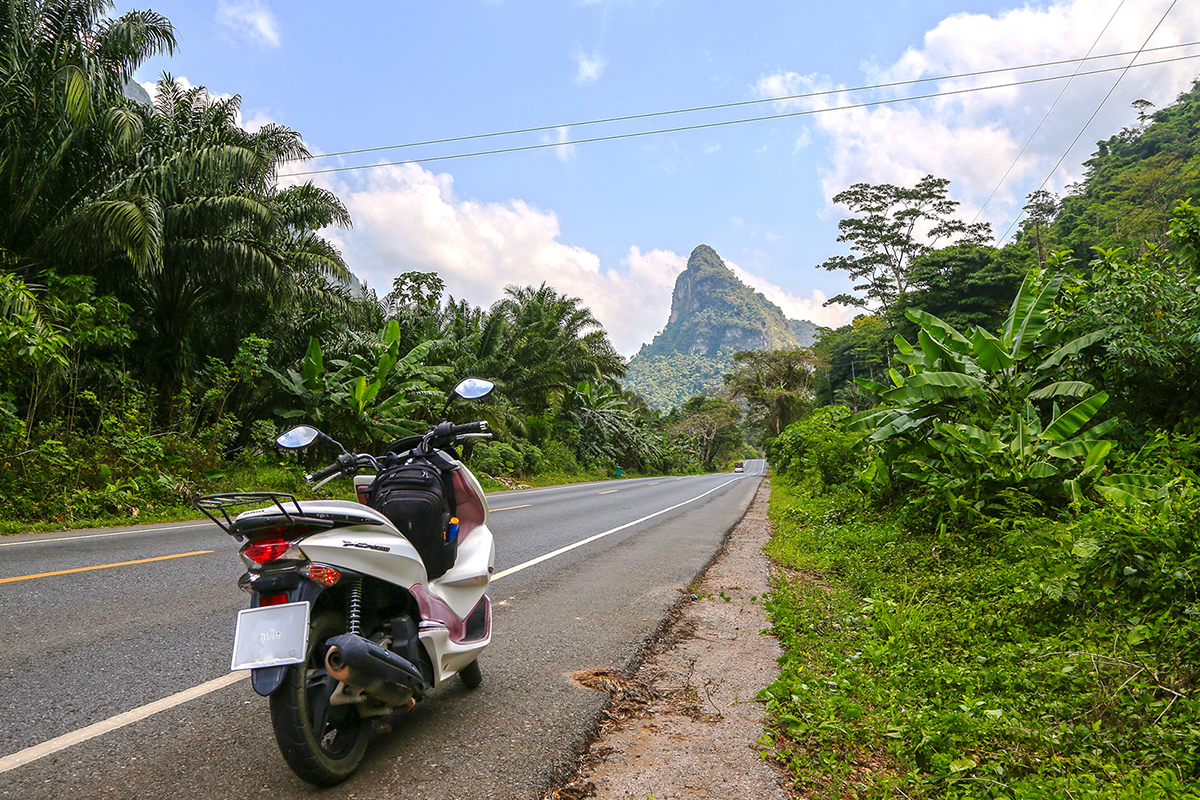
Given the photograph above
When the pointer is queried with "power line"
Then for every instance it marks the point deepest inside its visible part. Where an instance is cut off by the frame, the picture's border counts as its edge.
(1093, 116)
(1049, 111)
(725, 123)
(718, 106)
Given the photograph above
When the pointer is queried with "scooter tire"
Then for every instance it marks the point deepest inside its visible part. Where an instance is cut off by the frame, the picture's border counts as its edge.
(470, 675)
(322, 744)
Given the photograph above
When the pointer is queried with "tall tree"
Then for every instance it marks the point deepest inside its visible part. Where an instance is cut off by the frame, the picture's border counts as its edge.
(65, 128)
(222, 227)
(777, 384)
(891, 226)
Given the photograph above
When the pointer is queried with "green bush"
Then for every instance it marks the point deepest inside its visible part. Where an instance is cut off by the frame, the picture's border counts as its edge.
(557, 459)
(496, 458)
(817, 448)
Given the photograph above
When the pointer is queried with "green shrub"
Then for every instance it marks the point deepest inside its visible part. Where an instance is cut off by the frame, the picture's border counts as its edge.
(557, 459)
(496, 458)
(817, 448)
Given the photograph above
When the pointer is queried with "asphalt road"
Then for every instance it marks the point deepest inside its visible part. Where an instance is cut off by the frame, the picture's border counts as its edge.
(86, 637)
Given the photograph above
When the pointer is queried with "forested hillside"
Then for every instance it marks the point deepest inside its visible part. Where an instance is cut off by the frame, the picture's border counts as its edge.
(713, 316)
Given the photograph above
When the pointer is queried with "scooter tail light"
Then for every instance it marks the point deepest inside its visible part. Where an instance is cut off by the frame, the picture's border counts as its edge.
(265, 551)
(322, 574)
(272, 599)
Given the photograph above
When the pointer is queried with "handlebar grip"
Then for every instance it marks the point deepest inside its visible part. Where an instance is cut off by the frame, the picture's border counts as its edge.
(322, 474)
(471, 427)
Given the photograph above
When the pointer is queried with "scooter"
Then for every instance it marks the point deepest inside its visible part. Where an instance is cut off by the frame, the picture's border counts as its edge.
(358, 610)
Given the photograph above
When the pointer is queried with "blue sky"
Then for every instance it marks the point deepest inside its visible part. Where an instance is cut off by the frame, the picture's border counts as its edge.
(613, 222)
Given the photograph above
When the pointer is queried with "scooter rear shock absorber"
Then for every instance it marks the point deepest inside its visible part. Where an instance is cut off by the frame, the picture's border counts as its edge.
(354, 607)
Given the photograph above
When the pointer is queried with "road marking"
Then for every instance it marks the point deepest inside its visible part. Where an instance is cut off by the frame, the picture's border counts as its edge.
(654, 483)
(608, 532)
(30, 754)
(51, 746)
(509, 508)
(114, 533)
(610, 491)
(103, 566)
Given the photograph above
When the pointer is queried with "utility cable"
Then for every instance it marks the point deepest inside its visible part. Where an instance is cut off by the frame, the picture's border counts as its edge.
(725, 123)
(1049, 111)
(1092, 117)
(718, 106)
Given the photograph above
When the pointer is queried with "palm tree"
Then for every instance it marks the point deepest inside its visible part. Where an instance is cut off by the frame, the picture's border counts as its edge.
(222, 227)
(552, 344)
(64, 126)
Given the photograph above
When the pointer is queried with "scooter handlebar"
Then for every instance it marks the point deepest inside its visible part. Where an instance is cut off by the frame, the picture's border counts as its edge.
(469, 428)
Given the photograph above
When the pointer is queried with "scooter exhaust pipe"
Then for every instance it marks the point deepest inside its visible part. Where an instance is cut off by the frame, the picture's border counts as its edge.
(379, 672)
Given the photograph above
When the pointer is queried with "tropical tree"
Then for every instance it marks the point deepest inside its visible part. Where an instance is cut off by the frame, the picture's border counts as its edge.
(65, 128)
(776, 384)
(891, 226)
(220, 226)
(550, 344)
(708, 429)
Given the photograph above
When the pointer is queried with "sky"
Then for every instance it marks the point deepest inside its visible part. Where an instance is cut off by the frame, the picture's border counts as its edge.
(613, 222)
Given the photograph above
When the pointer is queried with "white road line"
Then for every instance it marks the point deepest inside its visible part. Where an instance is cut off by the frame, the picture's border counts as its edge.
(98, 535)
(608, 532)
(23, 757)
(30, 754)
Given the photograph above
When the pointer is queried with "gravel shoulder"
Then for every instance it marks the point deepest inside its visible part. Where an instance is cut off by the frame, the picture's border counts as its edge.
(686, 725)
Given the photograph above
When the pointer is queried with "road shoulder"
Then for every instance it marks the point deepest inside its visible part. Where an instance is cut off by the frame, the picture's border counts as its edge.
(686, 725)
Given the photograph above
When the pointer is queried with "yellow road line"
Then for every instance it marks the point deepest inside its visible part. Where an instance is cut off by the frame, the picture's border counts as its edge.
(610, 491)
(103, 566)
(509, 508)
(653, 483)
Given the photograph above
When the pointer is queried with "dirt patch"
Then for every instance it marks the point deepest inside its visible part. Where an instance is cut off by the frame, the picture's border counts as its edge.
(686, 725)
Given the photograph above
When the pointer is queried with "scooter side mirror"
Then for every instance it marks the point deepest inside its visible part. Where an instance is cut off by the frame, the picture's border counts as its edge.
(298, 438)
(474, 388)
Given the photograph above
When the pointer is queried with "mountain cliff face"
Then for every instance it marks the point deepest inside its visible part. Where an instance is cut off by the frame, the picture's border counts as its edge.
(713, 316)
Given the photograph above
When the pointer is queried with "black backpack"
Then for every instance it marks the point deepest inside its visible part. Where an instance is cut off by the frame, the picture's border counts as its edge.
(415, 499)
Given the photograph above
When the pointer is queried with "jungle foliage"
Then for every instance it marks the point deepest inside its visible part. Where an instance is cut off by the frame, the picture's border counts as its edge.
(991, 518)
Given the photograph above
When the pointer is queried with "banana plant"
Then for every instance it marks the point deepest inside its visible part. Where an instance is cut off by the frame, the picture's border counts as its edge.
(974, 414)
(363, 398)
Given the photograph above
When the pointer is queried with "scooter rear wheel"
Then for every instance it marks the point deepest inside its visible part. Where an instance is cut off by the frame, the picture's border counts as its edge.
(470, 675)
(322, 743)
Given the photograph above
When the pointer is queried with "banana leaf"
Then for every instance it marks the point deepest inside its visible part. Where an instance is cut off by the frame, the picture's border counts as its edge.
(1130, 488)
(1072, 347)
(871, 386)
(1069, 422)
(1062, 389)
(936, 351)
(1036, 318)
(945, 332)
(990, 352)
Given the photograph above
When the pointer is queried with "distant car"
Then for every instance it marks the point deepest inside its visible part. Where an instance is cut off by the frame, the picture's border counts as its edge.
(739, 467)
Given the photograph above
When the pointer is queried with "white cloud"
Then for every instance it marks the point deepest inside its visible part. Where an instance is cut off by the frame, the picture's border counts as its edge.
(408, 218)
(590, 67)
(972, 138)
(250, 20)
(809, 308)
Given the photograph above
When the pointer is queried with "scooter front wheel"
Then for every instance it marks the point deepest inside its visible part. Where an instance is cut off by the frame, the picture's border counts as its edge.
(321, 742)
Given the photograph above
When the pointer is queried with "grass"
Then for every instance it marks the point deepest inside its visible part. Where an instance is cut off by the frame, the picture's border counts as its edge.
(921, 666)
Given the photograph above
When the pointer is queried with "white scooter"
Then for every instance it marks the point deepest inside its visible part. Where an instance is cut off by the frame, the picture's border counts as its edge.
(359, 609)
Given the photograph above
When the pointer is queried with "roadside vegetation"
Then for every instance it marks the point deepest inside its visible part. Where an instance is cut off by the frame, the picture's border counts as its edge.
(987, 529)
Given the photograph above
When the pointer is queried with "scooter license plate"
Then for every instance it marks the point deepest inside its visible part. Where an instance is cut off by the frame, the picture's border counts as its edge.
(271, 636)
